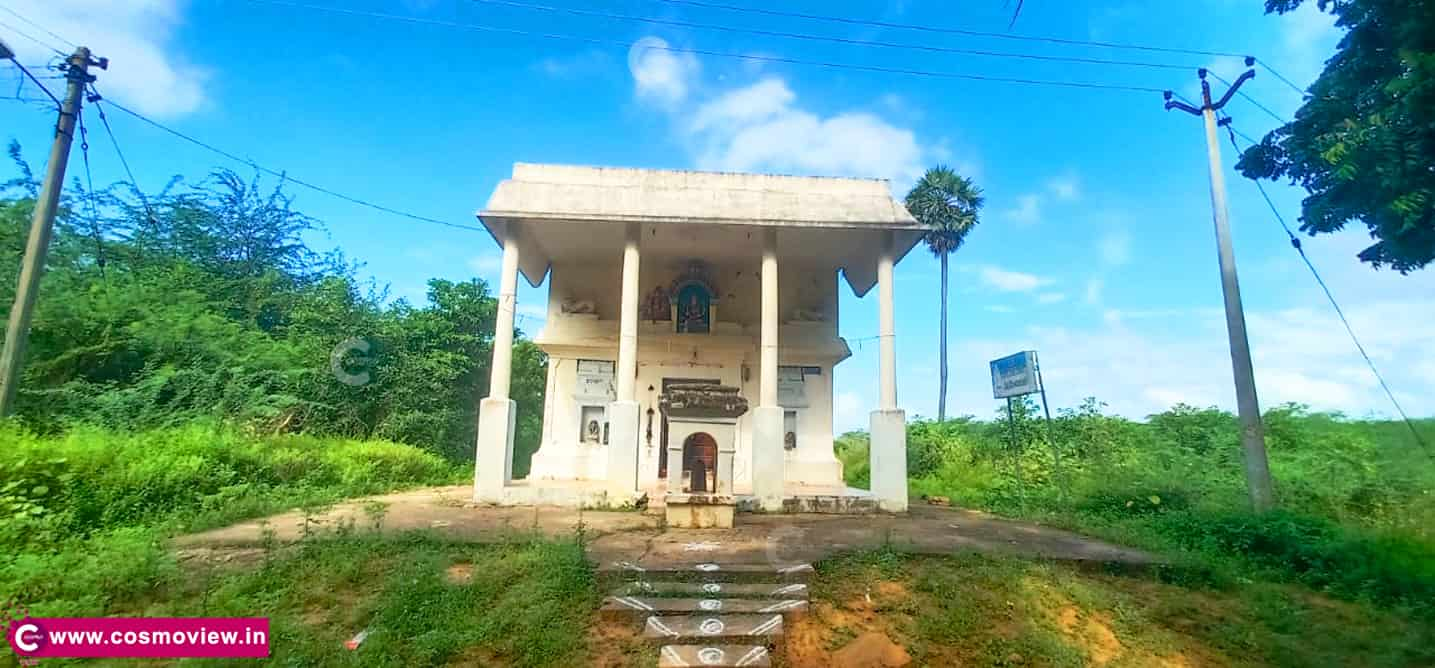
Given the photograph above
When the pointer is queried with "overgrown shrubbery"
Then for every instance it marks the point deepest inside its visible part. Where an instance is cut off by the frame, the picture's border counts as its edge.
(85, 513)
(1357, 497)
(204, 301)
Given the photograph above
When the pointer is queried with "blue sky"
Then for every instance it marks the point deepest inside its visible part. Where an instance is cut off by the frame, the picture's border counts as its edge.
(1095, 247)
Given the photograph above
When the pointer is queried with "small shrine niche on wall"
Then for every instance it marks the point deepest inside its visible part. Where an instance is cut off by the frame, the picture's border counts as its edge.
(693, 300)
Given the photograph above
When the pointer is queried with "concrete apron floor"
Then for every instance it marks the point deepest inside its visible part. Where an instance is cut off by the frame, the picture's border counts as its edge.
(640, 538)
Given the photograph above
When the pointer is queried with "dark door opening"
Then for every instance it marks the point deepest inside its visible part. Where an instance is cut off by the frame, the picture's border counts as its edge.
(700, 457)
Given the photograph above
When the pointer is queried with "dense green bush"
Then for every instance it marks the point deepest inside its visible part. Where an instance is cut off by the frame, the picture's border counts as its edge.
(1356, 496)
(204, 301)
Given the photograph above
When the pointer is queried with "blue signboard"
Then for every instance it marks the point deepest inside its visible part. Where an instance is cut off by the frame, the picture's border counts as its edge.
(1015, 375)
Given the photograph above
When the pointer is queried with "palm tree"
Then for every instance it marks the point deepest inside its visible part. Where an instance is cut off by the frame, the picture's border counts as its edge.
(947, 204)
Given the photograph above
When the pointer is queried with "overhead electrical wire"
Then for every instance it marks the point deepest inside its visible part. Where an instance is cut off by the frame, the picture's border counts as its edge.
(290, 179)
(97, 100)
(39, 27)
(35, 80)
(30, 37)
(1280, 119)
(826, 38)
(1296, 243)
(720, 54)
(945, 30)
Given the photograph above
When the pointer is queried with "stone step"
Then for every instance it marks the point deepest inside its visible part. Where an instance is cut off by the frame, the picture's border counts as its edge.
(697, 628)
(627, 606)
(714, 589)
(722, 656)
(706, 572)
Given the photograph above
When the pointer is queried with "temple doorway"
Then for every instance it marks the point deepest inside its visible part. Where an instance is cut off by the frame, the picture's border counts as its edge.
(700, 458)
(663, 428)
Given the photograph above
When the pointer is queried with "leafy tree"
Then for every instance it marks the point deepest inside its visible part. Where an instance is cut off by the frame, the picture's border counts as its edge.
(947, 204)
(212, 305)
(1363, 144)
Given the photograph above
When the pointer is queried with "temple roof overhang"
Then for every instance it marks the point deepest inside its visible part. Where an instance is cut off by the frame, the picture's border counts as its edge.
(567, 213)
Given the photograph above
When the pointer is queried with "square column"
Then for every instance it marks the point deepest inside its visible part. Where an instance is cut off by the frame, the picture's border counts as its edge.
(889, 423)
(493, 463)
(768, 455)
(624, 419)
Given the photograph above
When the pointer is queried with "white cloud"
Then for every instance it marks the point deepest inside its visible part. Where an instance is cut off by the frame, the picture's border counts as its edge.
(146, 71)
(1027, 210)
(1114, 248)
(760, 128)
(1051, 298)
(572, 66)
(1093, 291)
(1009, 281)
(661, 76)
(1066, 187)
(763, 127)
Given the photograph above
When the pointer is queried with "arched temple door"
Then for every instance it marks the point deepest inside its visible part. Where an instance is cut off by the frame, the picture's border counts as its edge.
(701, 447)
(663, 427)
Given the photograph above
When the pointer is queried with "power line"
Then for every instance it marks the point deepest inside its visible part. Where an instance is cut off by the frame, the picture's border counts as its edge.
(945, 30)
(1279, 119)
(719, 54)
(285, 177)
(1295, 243)
(40, 27)
(30, 37)
(96, 100)
(825, 38)
(90, 191)
(1281, 77)
(36, 81)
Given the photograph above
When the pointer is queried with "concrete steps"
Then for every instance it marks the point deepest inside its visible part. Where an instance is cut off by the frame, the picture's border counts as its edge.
(711, 613)
(723, 656)
(620, 606)
(714, 589)
(707, 628)
(706, 572)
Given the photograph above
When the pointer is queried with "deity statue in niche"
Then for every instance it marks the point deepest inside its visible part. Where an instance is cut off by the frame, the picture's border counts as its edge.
(657, 306)
(693, 310)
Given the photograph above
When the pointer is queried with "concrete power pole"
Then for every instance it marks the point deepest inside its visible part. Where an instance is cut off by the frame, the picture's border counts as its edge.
(1253, 440)
(42, 225)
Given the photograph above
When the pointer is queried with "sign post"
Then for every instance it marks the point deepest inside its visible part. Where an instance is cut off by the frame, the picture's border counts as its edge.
(1017, 376)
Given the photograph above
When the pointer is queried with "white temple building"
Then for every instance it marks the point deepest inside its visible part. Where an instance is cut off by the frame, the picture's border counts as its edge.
(660, 278)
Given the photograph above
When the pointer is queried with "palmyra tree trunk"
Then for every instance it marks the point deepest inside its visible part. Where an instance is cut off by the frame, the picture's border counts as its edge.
(942, 397)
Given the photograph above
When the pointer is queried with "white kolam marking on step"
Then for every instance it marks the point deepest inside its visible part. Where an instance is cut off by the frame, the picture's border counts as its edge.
(644, 586)
(707, 568)
(634, 603)
(709, 604)
(712, 626)
(673, 656)
(711, 656)
(782, 605)
(662, 628)
(712, 588)
(795, 569)
(702, 546)
(628, 565)
(789, 589)
(766, 626)
(753, 656)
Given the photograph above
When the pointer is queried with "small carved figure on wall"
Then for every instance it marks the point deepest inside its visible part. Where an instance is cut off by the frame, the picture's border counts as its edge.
(656, 307)
(576, 306)
(809, 315)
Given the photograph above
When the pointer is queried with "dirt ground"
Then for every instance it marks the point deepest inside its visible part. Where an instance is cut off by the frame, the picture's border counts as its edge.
(640, 537)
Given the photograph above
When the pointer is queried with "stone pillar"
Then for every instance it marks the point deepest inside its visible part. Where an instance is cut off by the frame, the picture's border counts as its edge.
(624, 416)
(768, 455)
(889, 423)
(493, 464)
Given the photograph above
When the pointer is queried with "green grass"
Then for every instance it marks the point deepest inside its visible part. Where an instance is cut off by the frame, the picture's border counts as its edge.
(990, 611)
(1357, 516)
(97, 506)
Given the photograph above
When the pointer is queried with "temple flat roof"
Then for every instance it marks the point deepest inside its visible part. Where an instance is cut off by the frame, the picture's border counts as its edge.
(568, 213)
(611, 194)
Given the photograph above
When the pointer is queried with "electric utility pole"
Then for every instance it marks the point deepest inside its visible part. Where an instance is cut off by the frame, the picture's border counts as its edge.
(1253, 440)
(42, 225)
